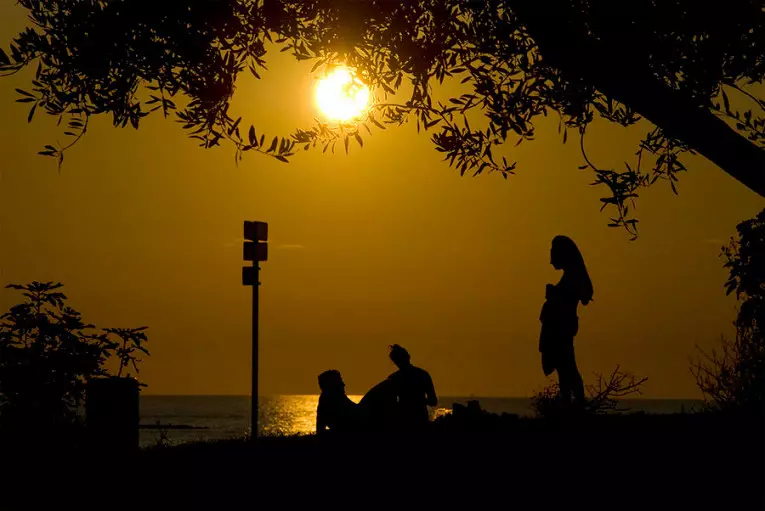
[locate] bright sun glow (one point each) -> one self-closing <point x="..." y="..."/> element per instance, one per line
<point x="341" y="96"/>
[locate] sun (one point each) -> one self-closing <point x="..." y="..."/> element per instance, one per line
<point x="341" y="96"/>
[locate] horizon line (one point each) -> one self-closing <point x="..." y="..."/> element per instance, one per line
<point x="471" y="397"/>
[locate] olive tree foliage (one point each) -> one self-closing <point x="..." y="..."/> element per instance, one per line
<point x="672" y="62"/>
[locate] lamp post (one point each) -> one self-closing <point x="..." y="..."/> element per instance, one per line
<point x="255" y="250"/>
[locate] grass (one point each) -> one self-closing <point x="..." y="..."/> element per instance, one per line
<point x="467" y="461"/>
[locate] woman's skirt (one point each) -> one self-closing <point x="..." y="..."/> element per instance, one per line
<point x="556" y="343"/>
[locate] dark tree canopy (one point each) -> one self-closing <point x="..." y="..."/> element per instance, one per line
<point x="672" y="62"/>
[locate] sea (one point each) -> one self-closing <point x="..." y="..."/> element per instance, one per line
<point x="172" y="420"/>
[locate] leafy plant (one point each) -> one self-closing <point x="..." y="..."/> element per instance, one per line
<point x="673" y="64"/>
<point x="48" y="353"/>
<point x="600" y="397"/>
<point x="130" y="342"/>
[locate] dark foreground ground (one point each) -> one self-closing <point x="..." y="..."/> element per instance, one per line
<point x="484" y="462"/>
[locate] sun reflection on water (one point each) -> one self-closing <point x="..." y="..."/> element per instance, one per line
<point x="211" y="418"/>
<point x="290" y="415"/>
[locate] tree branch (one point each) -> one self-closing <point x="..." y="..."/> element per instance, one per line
<point x="621" y="74"/>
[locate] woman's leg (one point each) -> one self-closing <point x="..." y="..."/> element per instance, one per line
<point x="564" y="381"/>
<point x="569" y="378"/>
<point x="577" y="385"/>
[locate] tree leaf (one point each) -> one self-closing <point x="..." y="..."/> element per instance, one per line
<point x="234" y="126"/>
<point x="725" y="101"/>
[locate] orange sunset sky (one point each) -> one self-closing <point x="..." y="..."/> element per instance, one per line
<point x="386" y="244"/>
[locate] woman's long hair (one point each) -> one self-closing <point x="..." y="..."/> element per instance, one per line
<point x="573" y="263"/>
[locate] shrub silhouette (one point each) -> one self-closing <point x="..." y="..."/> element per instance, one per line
<point x="47" y="355"/>
<point x="732" y="378"/>
<point x="600" y="397"/>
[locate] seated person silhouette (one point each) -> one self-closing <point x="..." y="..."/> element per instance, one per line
<point x="414" y="389"/>
<point x="336" y="413"/>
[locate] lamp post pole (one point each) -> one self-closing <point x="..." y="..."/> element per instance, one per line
<point x="255" y="249"/>
<point x="255" y="346"/>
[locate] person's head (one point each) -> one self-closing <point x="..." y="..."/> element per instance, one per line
<point x="399" y="356"/>
<point x="565" y="255"/>
<point x="331" y="381"/>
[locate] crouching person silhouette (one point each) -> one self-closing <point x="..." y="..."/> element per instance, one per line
<point x="336" y="413"/>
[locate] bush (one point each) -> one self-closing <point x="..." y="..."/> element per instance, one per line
<point x="732" y="378"/>
<point x="47" y="355"/>
<point x="600" y="397"/>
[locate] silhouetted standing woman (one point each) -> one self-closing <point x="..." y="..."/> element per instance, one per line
<point x="560" y="322"/>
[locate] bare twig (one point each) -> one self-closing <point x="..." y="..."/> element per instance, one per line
<point x="601" y="397"/>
